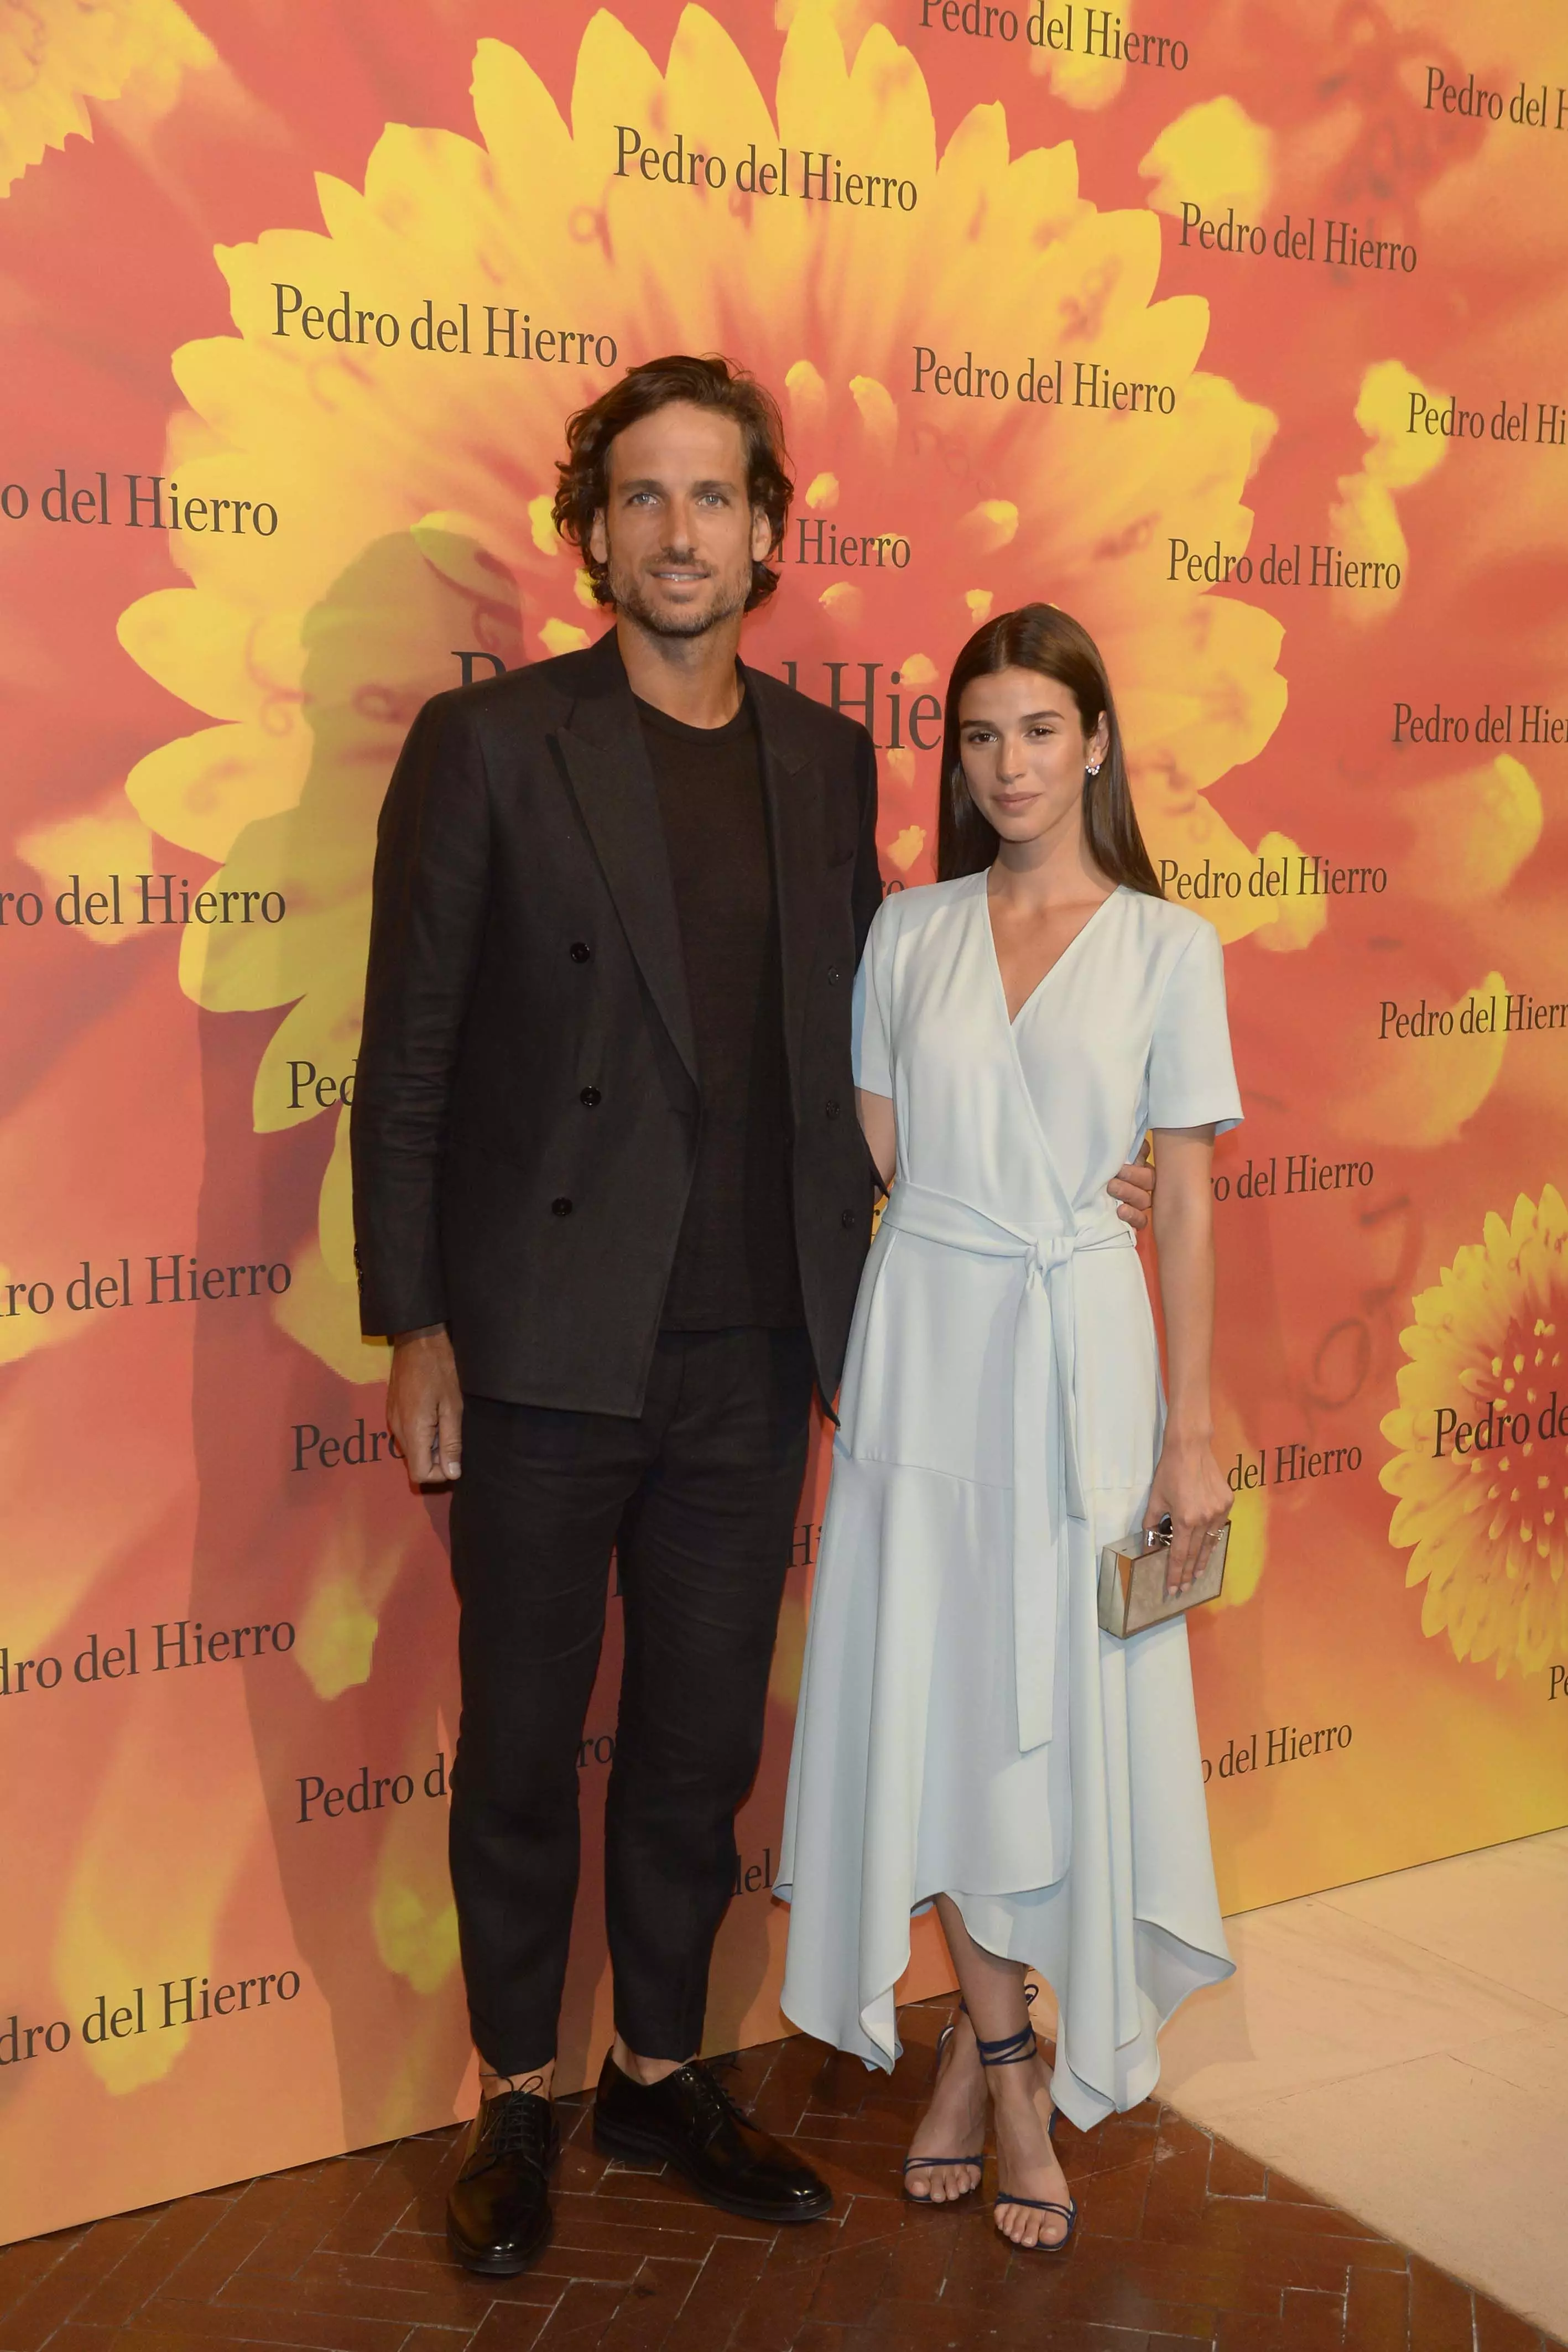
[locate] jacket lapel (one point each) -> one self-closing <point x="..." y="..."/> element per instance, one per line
<point x="792" y="790"/>
<point x="609" y="771"/>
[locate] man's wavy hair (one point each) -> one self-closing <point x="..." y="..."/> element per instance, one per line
<point x="583" y="491"/>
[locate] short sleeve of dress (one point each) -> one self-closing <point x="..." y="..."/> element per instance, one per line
<point x="1192" y="1078"/>
<point x="871" y="1034"/>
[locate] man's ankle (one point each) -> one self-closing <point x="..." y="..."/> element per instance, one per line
<point x="646" y="2071"/>
<point x="537" y="2079"/>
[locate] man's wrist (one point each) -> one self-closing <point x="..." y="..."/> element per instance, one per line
<point x="424" y="1331"/>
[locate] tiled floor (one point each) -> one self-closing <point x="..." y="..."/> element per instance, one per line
<point x="1183" y="2244"/>
<point x="1402" y="2045"/>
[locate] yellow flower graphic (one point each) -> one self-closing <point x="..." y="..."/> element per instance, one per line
<point x="1481" y="1428"/>
<point x="57" y="54"/>
<point x="1365" y="517"/>
<point x="369" y="401"/>
<point x="1214" y="155"/>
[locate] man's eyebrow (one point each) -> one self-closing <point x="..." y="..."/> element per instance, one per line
<point x="650" y="482"/>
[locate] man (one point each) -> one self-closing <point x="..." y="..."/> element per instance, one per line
<point x="611" y="1203"/>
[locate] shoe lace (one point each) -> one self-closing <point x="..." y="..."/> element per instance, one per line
<point x="710" y="2095"/>
<point x="520" y="2125"/>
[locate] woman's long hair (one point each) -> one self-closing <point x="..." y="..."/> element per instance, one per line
<point x="1041" y="638"/>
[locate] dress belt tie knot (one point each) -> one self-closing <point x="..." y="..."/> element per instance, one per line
<point x="1048" y="1414"/>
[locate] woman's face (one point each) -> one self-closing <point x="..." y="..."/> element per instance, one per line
<point x="1021" y="740"/>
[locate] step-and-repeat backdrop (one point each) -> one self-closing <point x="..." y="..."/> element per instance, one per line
<point x="1238" y="327"/>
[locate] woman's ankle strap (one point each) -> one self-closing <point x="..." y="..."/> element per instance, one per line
<point x="1011" y="2051"/>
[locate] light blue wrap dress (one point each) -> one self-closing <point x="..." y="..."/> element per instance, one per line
<point x="964" y="1727"/>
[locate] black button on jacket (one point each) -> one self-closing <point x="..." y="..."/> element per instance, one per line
<point x="521" y="827"/>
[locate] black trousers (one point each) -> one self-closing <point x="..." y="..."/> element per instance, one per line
<point x="698" y="1493"/>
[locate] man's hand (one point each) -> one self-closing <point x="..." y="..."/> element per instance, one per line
<point x="1133" y="1188"/>
<point x="424" y="1407"/>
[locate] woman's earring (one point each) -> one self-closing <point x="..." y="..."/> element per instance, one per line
<point x="1093" y="767"/>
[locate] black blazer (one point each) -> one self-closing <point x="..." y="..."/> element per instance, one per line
<point x="526" y="1105"/>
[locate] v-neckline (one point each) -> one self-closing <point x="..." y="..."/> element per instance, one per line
<point x="1012" y="1019"/>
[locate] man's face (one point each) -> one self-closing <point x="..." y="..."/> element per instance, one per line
<point x="677" y="531"/>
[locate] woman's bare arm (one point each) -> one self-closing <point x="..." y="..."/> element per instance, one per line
<point x="877" y="1126"/>
<point x="1188" y="1482"/>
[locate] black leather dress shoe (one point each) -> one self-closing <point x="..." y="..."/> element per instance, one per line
<point x="689" y="2121"/>
<point x="497" y="2213"/>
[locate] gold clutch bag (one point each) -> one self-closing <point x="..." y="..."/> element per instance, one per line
<point x="1133" y="1581"/>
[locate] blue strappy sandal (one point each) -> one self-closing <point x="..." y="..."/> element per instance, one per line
<point x="924" y="2163"/>
<point x="1013" y="2050"/>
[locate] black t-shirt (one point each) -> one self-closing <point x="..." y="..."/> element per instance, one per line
<point x="734" y="1262"/>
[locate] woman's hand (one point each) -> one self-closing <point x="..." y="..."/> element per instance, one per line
<point x="1190" y="1484"/>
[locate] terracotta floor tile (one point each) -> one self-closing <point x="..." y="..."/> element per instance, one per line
<point x="395" y="2294"/>
<point x="1177" y="2191"/>
<point x="1258" y="2222"/>
<point x="77" y="2336"/>
<point x="174" y="2233"/>
<point x="1307" y="2322"/>
<point x="862" y="2128"/>
<point x="59" y="2293"/>
<point x="1122" y="2279"/>
<point x="214" y="2259"/>
<point x="864" y="2220"/>
<point x="1110" y="2204"/>
<point x="773" y="2315"/>
<point x="587" y="2231"/>
<point x="650" y="2306"/>
<point x="207" y="2324"/>
<point x="1285" y="2190"/>
<point x="1232" y="2174"/>
<point x="817" y="2336"/>
<point x="1085" y="2336"/>
<point x="578" y="2322"/>
<point x="505" y="2327"/>
<point x="21" y="2266"/>
<point x="399" y="2184"/>
<point x="707" y="2318"/>
<point x="921" y="2257"/>
<point x="979" y="2259"/>
<point x="942" y="2333"/>
<point x="1497" y="2330"/>
<point x="1377" y="2310"/>
<point x="1117" y="2142"/>
<point x="1088" y="2284"/>
<point x="929" y="2327"/>
<point x="851" y="2283"/>
<point x="1442" y="2316"/>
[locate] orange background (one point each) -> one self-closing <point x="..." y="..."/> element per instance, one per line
<point x="224" y="708"/>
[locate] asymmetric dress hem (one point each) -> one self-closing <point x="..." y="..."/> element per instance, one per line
<point x="964" y="1725"/>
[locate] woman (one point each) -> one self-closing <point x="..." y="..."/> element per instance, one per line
<point x="965" y="1733"/>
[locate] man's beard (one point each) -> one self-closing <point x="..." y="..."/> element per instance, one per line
<point x="626" y="595"/>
